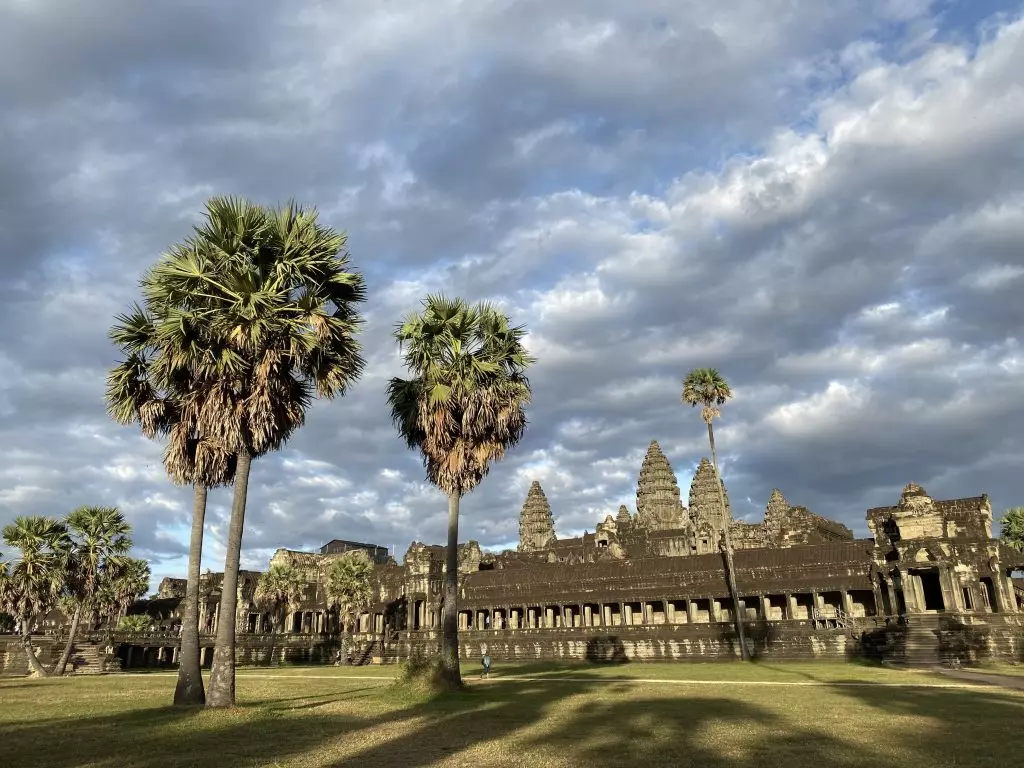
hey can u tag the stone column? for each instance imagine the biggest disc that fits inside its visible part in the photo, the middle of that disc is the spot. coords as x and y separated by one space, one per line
691 611
847 602
789 612
765 607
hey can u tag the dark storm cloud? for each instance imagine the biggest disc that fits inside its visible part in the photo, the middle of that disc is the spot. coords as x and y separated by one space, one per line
621 178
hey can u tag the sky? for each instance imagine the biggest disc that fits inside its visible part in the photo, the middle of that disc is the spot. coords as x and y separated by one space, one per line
824 201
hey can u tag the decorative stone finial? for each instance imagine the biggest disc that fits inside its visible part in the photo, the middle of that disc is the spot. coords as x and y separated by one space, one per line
704 502
915 499
623 516
536 525
658 505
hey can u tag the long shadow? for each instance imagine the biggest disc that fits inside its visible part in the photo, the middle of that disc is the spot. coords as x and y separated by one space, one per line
163 737
979 728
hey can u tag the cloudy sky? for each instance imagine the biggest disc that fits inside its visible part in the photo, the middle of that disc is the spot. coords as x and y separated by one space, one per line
823 200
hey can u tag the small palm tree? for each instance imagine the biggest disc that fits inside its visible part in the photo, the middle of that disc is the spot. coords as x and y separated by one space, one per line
707 388
147 388
125 580
462 408
260 315
99 535
32 584
348 584
1012 528
278 590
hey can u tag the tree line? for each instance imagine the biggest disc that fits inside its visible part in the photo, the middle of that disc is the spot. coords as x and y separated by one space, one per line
79 565
248 320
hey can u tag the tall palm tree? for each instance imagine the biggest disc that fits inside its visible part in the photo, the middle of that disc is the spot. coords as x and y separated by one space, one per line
348 584
149 389
279 588
271 301
707 388
462 408
99 535
33 583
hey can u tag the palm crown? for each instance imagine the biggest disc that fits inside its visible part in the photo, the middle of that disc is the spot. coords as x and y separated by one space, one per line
464 405
707 388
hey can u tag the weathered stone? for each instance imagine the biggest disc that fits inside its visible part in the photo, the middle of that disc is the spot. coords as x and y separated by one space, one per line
705 504
658 505
536 525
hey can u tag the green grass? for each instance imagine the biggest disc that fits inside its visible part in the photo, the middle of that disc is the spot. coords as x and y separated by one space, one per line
526 715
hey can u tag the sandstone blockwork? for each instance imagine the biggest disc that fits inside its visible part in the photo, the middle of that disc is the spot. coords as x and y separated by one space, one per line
931 584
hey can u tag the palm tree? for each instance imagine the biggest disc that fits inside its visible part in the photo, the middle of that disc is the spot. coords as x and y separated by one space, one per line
278 589
707 388
125 580
463 408
32 584
348 584
261 316
99 534
1011 526
148 389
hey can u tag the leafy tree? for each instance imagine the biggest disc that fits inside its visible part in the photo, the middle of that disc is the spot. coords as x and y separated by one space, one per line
259 309
1011 526
462 408
31 585
99 536
278 590
348 584
707 388
137 622
149 388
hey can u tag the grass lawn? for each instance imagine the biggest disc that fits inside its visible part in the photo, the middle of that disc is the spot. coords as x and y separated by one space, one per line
526 715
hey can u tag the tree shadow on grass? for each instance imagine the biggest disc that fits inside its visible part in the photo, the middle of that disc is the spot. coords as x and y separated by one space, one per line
975 727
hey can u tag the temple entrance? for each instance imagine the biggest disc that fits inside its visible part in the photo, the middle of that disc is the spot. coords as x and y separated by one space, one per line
931 590
990 594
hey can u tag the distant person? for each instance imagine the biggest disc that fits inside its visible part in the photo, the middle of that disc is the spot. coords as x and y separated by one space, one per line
487 665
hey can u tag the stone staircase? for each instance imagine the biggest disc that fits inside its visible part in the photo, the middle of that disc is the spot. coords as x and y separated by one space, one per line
91 659
921 642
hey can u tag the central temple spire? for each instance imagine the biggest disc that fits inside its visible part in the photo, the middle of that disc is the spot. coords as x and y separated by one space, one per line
658 504
705 506
536 525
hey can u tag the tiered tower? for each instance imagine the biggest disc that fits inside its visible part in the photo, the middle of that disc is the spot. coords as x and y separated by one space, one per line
536 525
774 517
705 507
658 504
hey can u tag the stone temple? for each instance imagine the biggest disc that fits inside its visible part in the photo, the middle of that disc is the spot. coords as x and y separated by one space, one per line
930 584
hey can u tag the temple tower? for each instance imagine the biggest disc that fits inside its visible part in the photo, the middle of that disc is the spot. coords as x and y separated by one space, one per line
705 506
775 516
658 505
536 525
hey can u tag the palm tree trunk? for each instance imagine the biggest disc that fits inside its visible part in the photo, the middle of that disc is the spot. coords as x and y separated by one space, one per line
450 635
63 663
222 676
730 571
273 639
189 689
37 669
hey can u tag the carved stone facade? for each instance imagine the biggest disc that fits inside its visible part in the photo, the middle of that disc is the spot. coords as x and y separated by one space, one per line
931 583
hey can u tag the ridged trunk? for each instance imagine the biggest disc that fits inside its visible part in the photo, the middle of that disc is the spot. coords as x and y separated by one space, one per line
189 689
62 665
221 691
730 571
26 643
450 634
